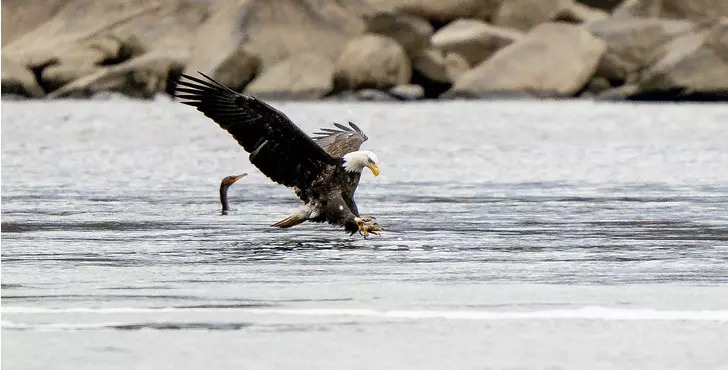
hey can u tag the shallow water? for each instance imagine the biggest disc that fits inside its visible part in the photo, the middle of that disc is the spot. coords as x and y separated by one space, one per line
519 235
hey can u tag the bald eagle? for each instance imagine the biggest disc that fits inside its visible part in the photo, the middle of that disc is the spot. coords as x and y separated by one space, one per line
324 171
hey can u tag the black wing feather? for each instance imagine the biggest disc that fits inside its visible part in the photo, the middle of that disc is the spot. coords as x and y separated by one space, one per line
277 147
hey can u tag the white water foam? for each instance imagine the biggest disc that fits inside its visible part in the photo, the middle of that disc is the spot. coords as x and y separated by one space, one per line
583 313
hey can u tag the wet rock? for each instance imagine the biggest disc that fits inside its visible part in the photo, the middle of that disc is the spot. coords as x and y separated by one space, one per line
407 92
634 44
473 39
301 77
441 11
18 80
692 64
551 60
412 33
372 61
526 14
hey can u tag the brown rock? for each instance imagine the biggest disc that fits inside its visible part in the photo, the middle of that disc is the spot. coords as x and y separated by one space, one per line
225 59
407 92
372 61
634 44
578 13
21 16
441 11
699 11
413 33
18 80
551 60
430 63
473 39
696 63
302 77
143 77
84 37
277 30
525 14
456 65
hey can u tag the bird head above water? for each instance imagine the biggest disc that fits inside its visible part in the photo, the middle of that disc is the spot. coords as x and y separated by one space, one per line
224 185
229 180
356 161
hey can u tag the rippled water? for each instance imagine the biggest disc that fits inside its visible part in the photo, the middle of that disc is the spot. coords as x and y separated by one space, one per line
519 235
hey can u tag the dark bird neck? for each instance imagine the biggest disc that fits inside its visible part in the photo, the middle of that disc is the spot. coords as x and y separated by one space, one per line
223 198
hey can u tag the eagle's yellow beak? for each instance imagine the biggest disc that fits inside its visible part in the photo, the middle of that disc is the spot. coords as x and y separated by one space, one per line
374 168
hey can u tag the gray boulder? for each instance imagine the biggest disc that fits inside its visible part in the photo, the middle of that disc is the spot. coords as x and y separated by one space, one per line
372 61
634 44
412 32
693 64
18 80
553 60
302 77
473 39
526 14
699 11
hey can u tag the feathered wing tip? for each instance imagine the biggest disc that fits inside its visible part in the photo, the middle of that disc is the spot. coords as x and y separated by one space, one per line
289 221
342 130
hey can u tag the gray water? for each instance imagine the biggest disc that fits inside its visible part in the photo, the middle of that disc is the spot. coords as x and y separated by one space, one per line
519 235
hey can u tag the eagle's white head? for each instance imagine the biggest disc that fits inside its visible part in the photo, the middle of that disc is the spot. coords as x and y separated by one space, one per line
356 161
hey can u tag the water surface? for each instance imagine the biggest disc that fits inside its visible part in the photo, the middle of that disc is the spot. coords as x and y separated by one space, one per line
519 235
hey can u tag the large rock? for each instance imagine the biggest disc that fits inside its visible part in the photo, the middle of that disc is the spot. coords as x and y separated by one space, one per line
83 37
18 80
634 44
372 61
693 64
278 30
700 11
473 39
525 14
431 65
225 60
302 77
141 77
553 59
441 11
412 32
21 16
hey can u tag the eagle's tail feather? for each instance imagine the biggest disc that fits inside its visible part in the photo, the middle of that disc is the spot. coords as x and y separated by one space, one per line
290 221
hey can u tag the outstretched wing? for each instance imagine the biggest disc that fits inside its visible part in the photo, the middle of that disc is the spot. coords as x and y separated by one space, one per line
277 147
341 141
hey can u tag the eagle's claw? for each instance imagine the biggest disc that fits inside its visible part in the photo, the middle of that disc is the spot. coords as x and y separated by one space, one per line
365 230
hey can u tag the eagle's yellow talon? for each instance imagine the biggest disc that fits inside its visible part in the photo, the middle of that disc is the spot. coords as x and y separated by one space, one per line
365 230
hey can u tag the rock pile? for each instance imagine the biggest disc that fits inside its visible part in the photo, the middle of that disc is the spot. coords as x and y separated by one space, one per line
370 49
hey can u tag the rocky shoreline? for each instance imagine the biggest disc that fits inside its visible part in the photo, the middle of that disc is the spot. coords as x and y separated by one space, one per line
370 49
